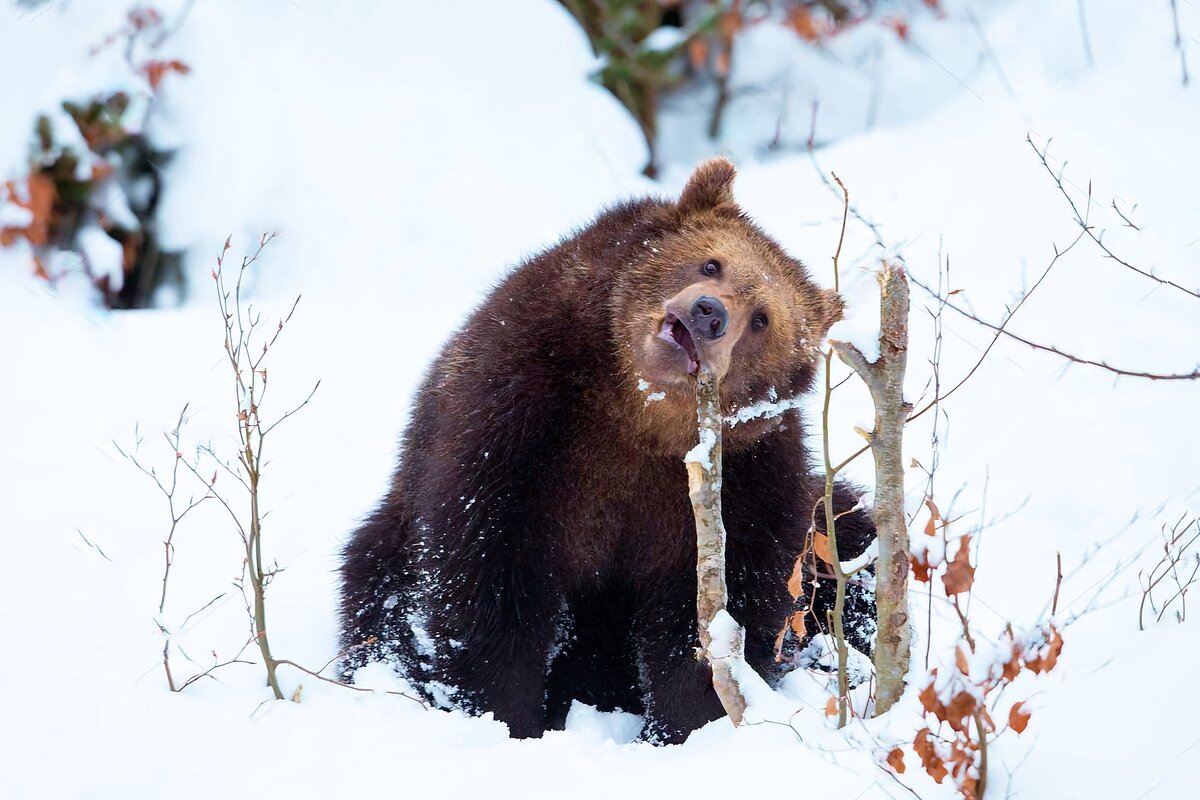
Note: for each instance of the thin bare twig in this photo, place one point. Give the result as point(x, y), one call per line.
point(316, 674)
point(1082, 220)
point(1132, 373)
point(1179, 43)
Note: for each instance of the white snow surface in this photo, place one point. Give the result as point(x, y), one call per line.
point(408, 154)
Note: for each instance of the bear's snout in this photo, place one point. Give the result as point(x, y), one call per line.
point(709, 317)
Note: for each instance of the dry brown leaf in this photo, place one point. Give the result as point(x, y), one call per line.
point(798, 626)
point(960, 711)
point(899, 25)
point(929, 699)
point(960, 575)
point(831, 707)
point(960, 660)
point(1018, 717)
point(40, 206)
point(821, 547)
point(804, 25)
point(924, 747)
point(795, 584)
point(155, 71)
point(731, 22)
point(895, 760)
point(1046, 656)
point(921, 568)
point(934, 517)
point(1013, 666)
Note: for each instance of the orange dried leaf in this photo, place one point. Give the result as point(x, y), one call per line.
point(40, 205)
point(895, 760)
point(929, 699)
point(934, 517)
point(920, 568)
point(731, 22)
point(960, 660)
point(924, 747)
point(899, 25)
point(1046, 656)
point(961, 710)
point(156, 70)
point(804, 25)
point(960, 575)
point(1018, 717)
point(795, 584)
point(797, 623)
point(831, 707)
point(821, 547)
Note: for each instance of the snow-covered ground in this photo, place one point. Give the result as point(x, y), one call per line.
point(407, 154)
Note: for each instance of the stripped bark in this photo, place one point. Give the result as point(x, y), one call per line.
point(885, 379)
point(704, 489)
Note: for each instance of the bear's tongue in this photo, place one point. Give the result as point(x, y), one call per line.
point(683, 338)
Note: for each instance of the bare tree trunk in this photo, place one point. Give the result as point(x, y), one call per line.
point(885, 379)
point(704, 488)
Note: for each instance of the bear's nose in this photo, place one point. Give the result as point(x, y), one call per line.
point(710, 317)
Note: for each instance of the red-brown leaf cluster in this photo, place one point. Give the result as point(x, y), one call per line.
point(41, 193)
point(960, 712)
point(1043, 656)
point(155, 71)
point(961, 701)
point(954, 759)
point(899, 25)
point(931, 760)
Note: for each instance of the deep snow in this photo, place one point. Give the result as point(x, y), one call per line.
point(408, 154)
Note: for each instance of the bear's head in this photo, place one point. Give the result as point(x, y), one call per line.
point(714, 290)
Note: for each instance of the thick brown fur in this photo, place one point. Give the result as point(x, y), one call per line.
point(537, 543)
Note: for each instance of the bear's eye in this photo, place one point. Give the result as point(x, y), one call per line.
point(759, 321)
point(711, 268)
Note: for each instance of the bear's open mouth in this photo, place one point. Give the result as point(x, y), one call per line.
point(675, 331)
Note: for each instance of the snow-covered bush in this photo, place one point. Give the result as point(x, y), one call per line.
point(89, 200)
point(649, 47)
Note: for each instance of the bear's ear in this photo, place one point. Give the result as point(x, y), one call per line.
point(833, 307)
point(710, 186)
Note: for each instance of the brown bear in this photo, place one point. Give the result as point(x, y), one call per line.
point(537, 544)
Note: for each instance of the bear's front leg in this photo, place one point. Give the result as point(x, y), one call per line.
point(678, 691)
point(494, 640)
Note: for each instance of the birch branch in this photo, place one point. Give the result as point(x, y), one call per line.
point(722, 644)
point(885, 379)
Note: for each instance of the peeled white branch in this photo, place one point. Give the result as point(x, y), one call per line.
point(722, 643)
